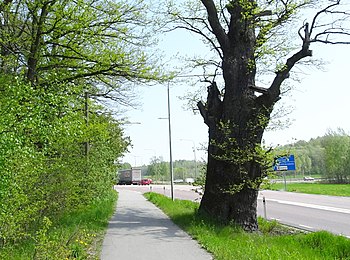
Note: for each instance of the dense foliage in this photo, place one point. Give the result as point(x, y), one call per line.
point(58, 145)
point(75, 235)
point(327, 156)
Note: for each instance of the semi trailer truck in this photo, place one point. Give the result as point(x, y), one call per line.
point(129, 177)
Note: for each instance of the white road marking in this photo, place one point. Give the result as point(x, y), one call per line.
point(304, 226)
point(314, 206)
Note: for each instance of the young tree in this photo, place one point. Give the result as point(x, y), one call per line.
point(242, 34)
point(100, 45)
point(158, 169)
point(52, 52)
point(337, 150)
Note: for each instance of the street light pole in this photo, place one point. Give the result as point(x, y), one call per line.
point(170, 149)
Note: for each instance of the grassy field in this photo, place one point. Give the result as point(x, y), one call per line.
point(315, 188)
point(76, 236)
point(273, 242)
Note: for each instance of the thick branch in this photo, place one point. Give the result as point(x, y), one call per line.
point(204, 112)
point(273, 93)
point(259, 89)
point(213, 19)
point(35, 46)
point(212, 112)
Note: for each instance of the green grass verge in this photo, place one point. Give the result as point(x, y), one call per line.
point(230, 242)
point(78, 235)
point(315, 188)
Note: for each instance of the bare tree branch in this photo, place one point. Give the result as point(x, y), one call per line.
point(214, 22)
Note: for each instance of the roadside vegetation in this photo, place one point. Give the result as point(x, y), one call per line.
point(314, 188)
point(67, 71)
point(327, 157)
point(273, 241)
point(78, 235)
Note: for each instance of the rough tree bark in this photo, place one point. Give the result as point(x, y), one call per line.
point(237, 119)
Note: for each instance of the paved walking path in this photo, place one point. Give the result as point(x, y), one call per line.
point(140, 231)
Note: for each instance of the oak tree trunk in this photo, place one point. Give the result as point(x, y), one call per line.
point(237, 116)
point(233, 170)
point(233, 175)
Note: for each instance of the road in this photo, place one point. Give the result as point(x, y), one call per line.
point(310, 212)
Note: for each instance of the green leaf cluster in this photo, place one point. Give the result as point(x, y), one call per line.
point(328, 156)
point(44, 170)
point(59, 148)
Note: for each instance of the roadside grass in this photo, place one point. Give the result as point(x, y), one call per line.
point(78, 235)
point(314, 188)
point(272, 242)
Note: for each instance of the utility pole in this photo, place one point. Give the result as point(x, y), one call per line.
point(87, 146)
point(170, 150)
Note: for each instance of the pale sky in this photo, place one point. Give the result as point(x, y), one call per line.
point(321, 101)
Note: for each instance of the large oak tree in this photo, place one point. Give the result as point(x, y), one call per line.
point(242, 33)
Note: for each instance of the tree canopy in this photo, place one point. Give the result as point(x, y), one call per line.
point(248, 38)
point(59, 147)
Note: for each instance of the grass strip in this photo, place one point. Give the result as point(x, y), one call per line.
point(78, 235)
point(230, 242)
point(314, 188)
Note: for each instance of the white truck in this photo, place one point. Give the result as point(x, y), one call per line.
point(129, 177)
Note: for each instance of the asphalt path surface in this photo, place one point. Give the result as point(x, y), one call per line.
point(140, 231)
point(305, 211)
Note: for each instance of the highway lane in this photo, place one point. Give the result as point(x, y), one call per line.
point(310, 212)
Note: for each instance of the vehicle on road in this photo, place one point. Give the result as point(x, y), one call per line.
point(146, 181)
point(308, 178)
point(189, 181)
point(130, 176)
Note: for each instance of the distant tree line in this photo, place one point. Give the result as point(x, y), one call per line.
point(159, 170)
point(328, 156)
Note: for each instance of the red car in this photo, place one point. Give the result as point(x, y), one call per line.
point(146, 181)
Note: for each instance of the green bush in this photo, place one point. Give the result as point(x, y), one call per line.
point(44, 170)
point(75, 235)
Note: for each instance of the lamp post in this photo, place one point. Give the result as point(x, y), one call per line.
point(170, 149)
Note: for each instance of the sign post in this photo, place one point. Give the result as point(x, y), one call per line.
point(284, 163)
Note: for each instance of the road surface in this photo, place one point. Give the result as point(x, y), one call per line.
point(306, 211)
point(310, 212)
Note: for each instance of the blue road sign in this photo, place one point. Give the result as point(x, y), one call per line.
point(285, 163)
